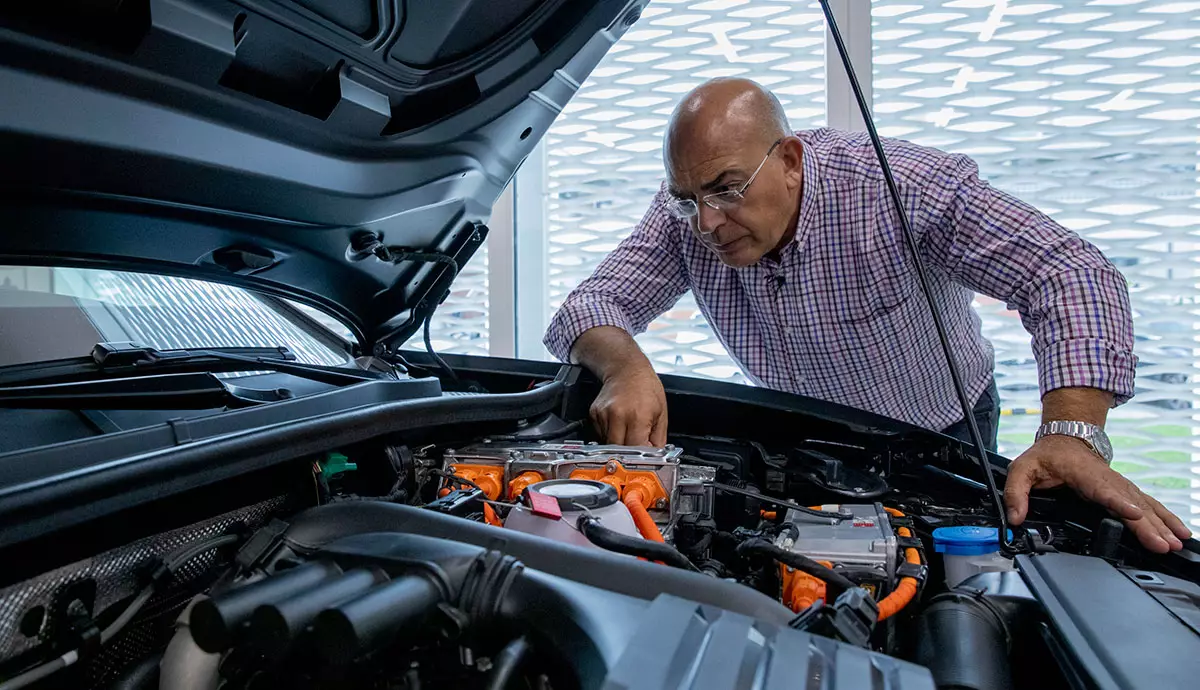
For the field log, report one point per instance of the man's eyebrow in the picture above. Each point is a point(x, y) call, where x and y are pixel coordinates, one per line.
point(717, 180)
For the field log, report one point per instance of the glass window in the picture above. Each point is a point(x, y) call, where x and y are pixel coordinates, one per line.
point(50, 313)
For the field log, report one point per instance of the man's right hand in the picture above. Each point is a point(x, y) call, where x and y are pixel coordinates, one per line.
point(631, 409)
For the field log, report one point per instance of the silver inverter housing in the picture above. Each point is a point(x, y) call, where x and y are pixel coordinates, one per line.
point(867, 541)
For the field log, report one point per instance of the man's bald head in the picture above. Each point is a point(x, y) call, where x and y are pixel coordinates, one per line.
point(724, 135)
point(725, 108)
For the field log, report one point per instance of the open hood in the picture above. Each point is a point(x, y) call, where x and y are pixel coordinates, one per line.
point(320, 150)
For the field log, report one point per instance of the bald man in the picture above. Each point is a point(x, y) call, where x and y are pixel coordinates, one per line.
point(792, 247)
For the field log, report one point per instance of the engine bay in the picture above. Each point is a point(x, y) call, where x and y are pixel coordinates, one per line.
point(538, 557)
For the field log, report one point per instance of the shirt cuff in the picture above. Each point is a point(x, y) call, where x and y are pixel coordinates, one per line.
point(1087, 363)
point(577, 317)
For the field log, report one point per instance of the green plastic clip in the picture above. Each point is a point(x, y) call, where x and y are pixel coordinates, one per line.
point(336, 463)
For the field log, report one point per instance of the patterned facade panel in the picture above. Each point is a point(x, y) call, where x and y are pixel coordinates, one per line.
point(604, 152)
point(1089, 111)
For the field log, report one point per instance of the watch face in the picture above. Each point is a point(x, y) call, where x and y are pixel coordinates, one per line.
point(1100, 441)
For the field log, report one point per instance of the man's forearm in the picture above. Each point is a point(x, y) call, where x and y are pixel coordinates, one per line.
point(607, 351)
point(1089, 405)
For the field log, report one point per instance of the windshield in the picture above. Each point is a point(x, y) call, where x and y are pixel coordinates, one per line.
point(53, 313)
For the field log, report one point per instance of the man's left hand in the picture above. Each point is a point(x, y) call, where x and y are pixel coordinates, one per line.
point(1056, 460)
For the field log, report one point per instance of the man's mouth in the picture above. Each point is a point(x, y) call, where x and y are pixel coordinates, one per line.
point(729, 246)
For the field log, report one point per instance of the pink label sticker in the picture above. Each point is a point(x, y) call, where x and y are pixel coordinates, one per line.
point(542, 505)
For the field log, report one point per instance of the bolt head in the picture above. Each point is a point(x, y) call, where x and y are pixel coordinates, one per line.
point(660, 503)
point(611, 467)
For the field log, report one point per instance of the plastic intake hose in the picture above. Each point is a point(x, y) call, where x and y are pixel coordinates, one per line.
point(376, 618)
point(964, 643)
point(835, 582)
point(608, 539)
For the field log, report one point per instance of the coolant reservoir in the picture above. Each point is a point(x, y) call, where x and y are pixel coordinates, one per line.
point(573, 497)
point(967, 551)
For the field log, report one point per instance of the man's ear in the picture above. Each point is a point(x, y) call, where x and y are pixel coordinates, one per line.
point(791, 155)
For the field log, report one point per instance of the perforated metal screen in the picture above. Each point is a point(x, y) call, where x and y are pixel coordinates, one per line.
point(1089, 112)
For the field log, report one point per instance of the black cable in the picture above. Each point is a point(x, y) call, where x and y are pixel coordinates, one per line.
point(507, 662)
point(395, 255)
point(611, 540)
point(1006, 547)
point(839, 516)
point(835, 582)
point(433, 353)
point(455, 478)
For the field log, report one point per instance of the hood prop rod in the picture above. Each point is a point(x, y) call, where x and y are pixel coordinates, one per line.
point(1006, 547)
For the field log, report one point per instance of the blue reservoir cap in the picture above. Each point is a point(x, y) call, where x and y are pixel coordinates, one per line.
point(967, 541)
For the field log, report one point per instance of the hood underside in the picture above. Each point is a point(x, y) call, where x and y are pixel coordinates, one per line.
point(303, 148)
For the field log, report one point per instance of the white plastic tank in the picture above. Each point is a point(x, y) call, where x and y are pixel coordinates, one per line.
point(967, 551)
point(573, 498)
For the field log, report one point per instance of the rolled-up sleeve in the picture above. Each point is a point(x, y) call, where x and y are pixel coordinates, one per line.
point(642, 278)
point(1071, 298)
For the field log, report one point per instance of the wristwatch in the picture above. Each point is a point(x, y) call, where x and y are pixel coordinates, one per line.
point(1090, 434)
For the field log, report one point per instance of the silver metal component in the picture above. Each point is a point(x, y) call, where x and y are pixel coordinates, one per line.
point(866, 541)
point(558, 459)
point(660, 504)
point(693, 494)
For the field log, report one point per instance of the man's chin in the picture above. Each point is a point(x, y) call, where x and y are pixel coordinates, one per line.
point(740, 258)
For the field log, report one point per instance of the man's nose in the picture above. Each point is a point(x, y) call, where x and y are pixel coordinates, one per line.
point(709, 219)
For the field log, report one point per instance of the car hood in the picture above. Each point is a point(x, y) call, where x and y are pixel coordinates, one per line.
point(296, 148)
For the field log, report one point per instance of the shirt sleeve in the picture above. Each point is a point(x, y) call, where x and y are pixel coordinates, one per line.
point(1072, 300)
point(640, 280)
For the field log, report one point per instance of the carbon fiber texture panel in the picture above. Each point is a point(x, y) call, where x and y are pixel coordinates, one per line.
point(116, 574)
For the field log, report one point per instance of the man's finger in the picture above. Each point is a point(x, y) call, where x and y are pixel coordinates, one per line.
point(1148, 535)
point(1016, 491)
point(616, 429)
point(1161, 528)
point(658, 434)
point(1108, 489)
point(1171, 520)
point(600, 422)
point(637, 432)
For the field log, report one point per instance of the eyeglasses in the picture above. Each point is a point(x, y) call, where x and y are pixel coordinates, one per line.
point(724, 201)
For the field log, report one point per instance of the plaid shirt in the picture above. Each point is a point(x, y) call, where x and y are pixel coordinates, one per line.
point(840, 315)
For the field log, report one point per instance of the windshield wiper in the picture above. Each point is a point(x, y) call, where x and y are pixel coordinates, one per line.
point(197, 391)
point(128, 360)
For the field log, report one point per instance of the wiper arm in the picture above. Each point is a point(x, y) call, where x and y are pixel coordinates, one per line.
point(198, 391)
point(128, 360)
